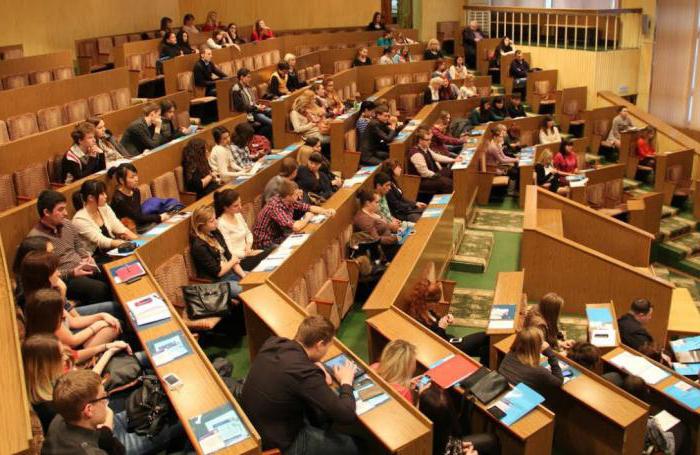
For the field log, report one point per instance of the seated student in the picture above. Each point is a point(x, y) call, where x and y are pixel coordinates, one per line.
point(422, 161)
point(468, 88)
point(369, 221)
point(632, 325)
point(403, 55)
point(397, 366)
point(287, 172)
point(362, 58)
point(278, 80)
point(374, 143)
point(183, 42)
point(205, 70)
point(84, 158)
point(245, 100)
point(76, 266)
point(86, 424)
point(168, 130)
point(27, 245)
point(458, 70)
point(656, 440)
point(293, 82)
point(549, 134)
point(511, 139)
point(566, 161)
point(588, 356)
point(645, 150)
point(515, 108)
point(95, 221)
point(212, 259)
point(311, 180)
point(498, 161)
point(199, 176)
point(286, 389)
point(308, 119)
point(440, 69)
point(448, 91)
point(422, 300)
point(400, 207)
point(169, 47)
point(188, 24)
point(387, 57)
point(505, 47)
point(219, 40)
point(212, 22)
point(382, 185)
point(443, 142)
point(522, 363)
point(166, 25)
point(386, 40)
point(377, 23)
point(261, 31)
point(366, 114)
point(498, 109)
point(449, 436)
point(433, 51)
point(232, 31)
point(334, 105)
point(221, 159)
point(46, 313)
point(620, 123)
point(126, 200)
point(45, 359)
point(481, 114)
point(113, 150)
point(276, 219)
point(547, 175)
point(549, 308)
point(138, 136)
point(235, 230)
point(321, 99)
point(431, 94)
point(241, 146)
point(518, 70)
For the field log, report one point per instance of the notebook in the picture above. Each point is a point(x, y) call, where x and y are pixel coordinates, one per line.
point(453, 370)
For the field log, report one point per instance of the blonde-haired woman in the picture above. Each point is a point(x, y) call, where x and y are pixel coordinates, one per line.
point(468, 88)
point(431, 94)
point(433, 51)
point(522, 363)
point(212, 258)
point(293, 82)
point(335, 105)
point(397, 366)
point(307, 117)
point(547, 176)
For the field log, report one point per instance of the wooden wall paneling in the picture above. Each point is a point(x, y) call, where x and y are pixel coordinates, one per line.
point(11, 51)
point(617, 71)
point(36, 63)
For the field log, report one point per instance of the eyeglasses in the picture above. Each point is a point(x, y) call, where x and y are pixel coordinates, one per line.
point(106, 397)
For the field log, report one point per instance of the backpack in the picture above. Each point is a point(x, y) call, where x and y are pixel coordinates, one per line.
point(147, 408)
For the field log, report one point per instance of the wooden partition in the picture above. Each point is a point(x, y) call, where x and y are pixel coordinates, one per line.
point(597, 125)
point(328, 58)
point(592, 414)
point(659, 399)
point(33, 63)
point(17, 222)
point(588, 262)
point(11, 51)
point(530, 435)
point(506, 80)
point(367, 75)
point(269, 311)
point(48, 144)
point(15, 416)
point(34, 97)
point(430, 245)
point(533, 98)
point(483, 49)
point(664, 162)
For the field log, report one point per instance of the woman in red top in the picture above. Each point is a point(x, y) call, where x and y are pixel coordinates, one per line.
point(261, 31)
point(566, 161)
point(397, 366)
point(645, 151)
point(442, 141)
point(212, 23)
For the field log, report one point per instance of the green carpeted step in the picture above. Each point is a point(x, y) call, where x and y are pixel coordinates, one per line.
point(474, 252)
point(688, 244)
point(675, 226)
point(575, 327)
point(628, 184)
point(471, 307)
point(497, 220)
point(690, 266)
point(458, 231)
point(668, 211)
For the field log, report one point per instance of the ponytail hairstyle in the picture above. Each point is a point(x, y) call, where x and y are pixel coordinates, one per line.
point(223, 199)
point(89, 188)
point(120, 172)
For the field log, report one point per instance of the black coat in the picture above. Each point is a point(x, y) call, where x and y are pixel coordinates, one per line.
point(632, 333)
point(207, 260)
point(399, 206)
point(308, 182)
point(139, 137)
point(203, 73)
point(376, 137)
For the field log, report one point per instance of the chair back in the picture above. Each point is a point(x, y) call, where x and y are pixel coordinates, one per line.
point(22, 125)
point(40, 77)
point(8, 197)
point(49, 117)
point(165, 186)
point(76, 111)
point(100, 104)
point(121, 98)
point(32, 180)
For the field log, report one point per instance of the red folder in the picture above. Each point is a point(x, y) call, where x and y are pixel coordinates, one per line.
point(451, 371)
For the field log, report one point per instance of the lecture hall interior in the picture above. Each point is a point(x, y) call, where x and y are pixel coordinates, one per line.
point(329, 227)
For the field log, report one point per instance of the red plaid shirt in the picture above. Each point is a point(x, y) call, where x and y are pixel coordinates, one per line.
point(275, 221)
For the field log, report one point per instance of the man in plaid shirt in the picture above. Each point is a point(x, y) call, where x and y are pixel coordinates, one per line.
point(276, 220)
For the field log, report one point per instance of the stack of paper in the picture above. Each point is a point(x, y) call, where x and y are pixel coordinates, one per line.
point(452, 370)
point(127, 272)
point(464, 158)
point(685, 393)
point(318, 218)
point(516, 404)
point(431, 213)
point(148, 309)
point(168, 348)
point(218, 429)
point(281, 253)
point(527, 156)
point(441, 199)
point(640, 366)
point(502, 317)
point(687, 369)
point(601, 330)
point(363, 383)
point(577, 181)
point(666, 421)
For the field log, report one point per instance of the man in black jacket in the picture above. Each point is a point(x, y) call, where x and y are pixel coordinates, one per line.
point(470, 36)
point(204, 70)
point(519, 68)
point(244, 100)
point(139, 136)
point(632, 330)
point(374, 143)
point(515, 107)
point(285, 382)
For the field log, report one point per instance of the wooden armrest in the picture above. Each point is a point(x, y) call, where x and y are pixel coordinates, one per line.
point(272, 452)
point(57, 185)
point(188, 197)
point(21, 199)
point(197, 280)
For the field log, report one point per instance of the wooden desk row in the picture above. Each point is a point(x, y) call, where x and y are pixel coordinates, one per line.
point(34, 63)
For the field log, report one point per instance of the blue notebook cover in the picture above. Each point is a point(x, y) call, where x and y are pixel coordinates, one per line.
point(686, 344)
point(689, 397)
point(441, 199)
point(502, 313)
point(601, 315)
point(219, 428)
point(519, 402)
point(169, 347)
point(431, 213)
point(687, 369)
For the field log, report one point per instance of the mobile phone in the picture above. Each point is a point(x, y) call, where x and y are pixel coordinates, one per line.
point(422, 381)
point(173, 381)
point(455, 340)
point(496, 412)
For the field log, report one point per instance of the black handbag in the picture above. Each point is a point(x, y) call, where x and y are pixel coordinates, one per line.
point(147, 408)
point(121, 372)
point(207, 300)
point(489, 387)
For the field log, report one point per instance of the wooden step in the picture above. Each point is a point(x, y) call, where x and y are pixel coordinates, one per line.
point(684, 318)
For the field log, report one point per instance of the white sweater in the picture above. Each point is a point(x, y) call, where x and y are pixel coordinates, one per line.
point(90, 231)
